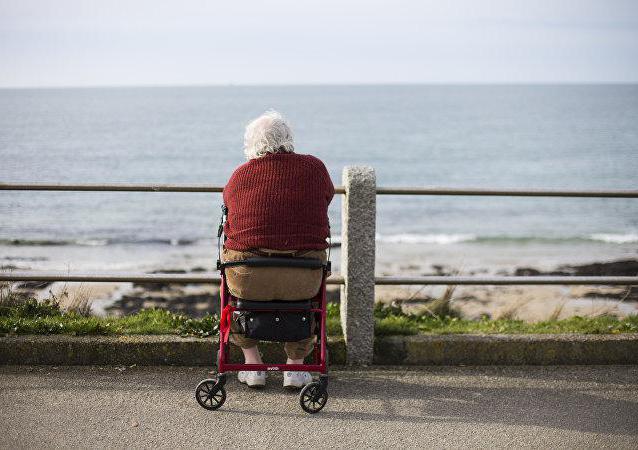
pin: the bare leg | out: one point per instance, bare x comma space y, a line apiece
294, 361
252, 355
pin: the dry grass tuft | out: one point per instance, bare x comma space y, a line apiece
77, 301
510, 311
440, 307
604, 310
555, 314
7, 296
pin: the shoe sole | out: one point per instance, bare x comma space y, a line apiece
294, 386
254, 385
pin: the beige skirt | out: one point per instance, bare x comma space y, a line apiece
272, 283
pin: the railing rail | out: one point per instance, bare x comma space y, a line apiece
433, 190
214, 278
110, 187
179, 278
494, 192
508, 280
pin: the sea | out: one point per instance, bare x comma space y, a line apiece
500, 136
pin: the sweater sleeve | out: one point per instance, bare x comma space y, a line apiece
226, 192
229, 189
330, 188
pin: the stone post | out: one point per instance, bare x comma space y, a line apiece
358, 216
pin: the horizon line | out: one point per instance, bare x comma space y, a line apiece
325, 84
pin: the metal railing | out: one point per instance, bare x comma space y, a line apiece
208, 278
213, 278
609, 193
146, 187
180, 278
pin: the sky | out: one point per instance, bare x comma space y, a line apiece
189, 42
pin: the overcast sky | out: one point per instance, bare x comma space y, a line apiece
168, 42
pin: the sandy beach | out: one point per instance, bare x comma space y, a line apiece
530, 303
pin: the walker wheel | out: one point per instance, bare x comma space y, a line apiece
312, 398
209, 395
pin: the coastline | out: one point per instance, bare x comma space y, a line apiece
529, 303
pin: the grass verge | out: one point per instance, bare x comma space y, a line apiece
391, 321
32, 317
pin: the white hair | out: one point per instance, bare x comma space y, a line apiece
268, 133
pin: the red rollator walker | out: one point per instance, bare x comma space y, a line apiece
277, 321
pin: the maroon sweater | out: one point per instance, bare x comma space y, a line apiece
279, 201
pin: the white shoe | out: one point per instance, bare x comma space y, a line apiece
296, 379
252, 378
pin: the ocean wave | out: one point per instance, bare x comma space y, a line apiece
615, 238
446, 239
97, 242
409, 238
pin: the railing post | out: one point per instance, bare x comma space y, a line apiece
358, 216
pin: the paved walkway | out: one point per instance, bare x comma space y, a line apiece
398, 407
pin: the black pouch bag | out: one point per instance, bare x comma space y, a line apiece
278, 326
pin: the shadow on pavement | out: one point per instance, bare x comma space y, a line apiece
582, 409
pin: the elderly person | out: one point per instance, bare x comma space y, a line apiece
277, 204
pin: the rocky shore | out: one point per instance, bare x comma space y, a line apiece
525, 302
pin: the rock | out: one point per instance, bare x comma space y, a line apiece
627, 268
527, 272
621, 268
631, 296
333, 294
176, 300
169, 271
439, 270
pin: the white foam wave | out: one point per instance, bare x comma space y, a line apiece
92, 242
615, 238
408, 238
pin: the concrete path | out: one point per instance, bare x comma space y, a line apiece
144, 407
